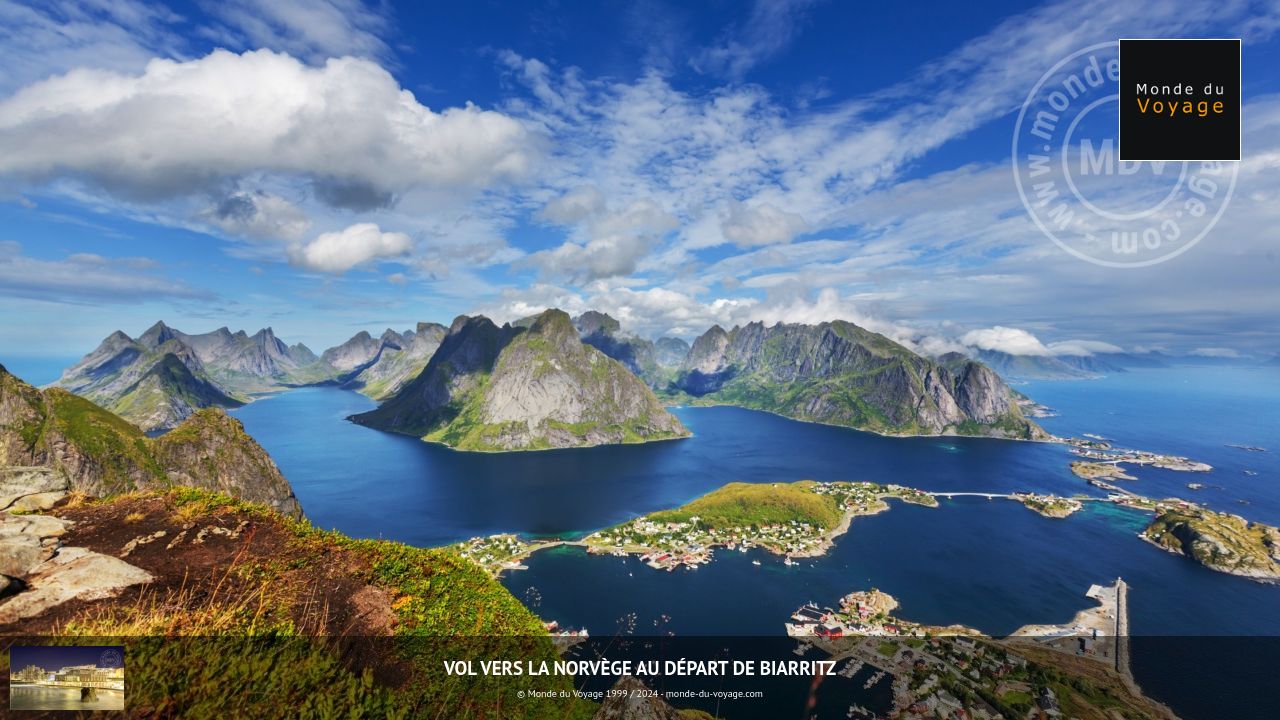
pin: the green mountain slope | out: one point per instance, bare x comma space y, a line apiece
98, 453
841, 374
517, 388
165, 375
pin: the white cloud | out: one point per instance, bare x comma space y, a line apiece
770, 28
258, 215
1083, 348
607, 243
762, 224
85, 278
574, 206
1005, 339
314, 30
338, 252
186, 127
1216, 352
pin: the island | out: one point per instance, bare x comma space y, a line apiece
799, 519
1050, 506
529, 386
1094, 470
1219, 541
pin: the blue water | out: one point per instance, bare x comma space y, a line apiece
37, 370
993, 565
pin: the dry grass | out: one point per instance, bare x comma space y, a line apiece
134, 517
246, 609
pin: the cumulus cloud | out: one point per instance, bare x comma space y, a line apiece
762, 224
1005, 339
258, 215
574, 206
340, 251
184, 127
608, 244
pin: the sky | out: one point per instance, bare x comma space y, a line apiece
333, 166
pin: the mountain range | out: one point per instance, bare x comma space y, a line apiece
525, 386
165, 375
379, 368
549, 381
842, 374
652, 361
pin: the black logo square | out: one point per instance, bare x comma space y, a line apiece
1180, 100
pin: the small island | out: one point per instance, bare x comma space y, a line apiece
1050, 506
1096, 471
1219, 541
799, 519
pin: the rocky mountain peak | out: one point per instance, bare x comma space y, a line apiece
157, 335
592, 322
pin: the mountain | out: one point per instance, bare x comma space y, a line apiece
165, 375
670, 352
841, 374
356, 352
1037, 367
90, 450
652, 362
247, 364
379, 368
518, 388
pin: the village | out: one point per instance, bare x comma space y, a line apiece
954, 671
691, 543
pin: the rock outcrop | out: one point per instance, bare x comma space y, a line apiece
634, 701
841, 374
516, 388
53, 442
1219, 541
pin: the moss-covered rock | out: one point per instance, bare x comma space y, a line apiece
1219, 541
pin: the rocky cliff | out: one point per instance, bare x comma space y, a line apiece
517, 388
652, 362
61, 442
839, 373
1219, 541
379, 368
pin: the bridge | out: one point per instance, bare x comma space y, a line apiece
989, 496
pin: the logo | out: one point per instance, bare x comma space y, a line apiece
1071, 180
110, 658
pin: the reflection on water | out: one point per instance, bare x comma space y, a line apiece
36, 697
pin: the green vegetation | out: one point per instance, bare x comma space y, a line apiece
119, 450
756, 505
255, 626
1223, 542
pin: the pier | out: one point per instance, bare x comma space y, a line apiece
1122, 630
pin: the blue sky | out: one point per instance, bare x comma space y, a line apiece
330, 166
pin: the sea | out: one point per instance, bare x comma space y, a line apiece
1205, 643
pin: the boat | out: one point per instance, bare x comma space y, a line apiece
755, 562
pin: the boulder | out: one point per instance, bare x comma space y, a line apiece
73, 573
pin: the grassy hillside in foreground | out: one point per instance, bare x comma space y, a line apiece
741, 504
269, 617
